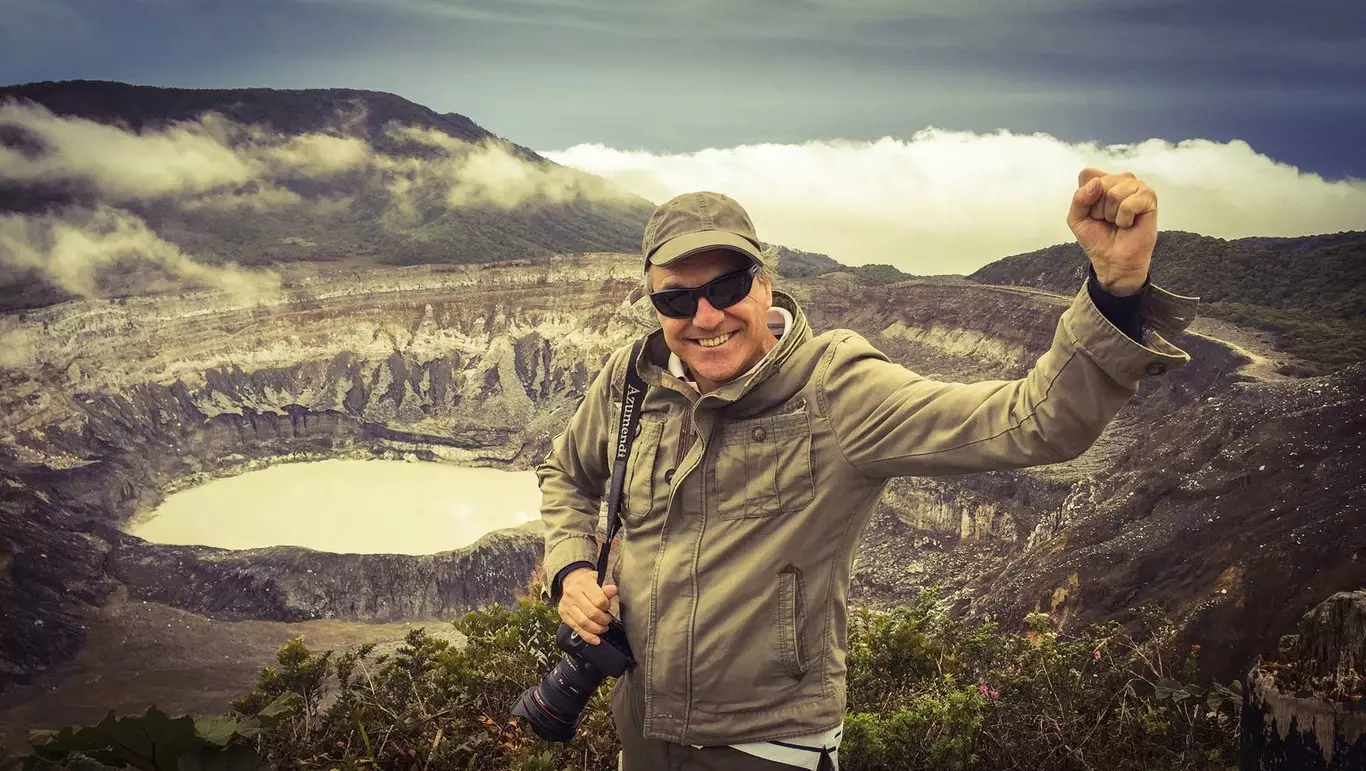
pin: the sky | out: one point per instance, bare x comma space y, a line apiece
931, 135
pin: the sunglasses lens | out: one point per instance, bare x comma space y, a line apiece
729, 290
679, 304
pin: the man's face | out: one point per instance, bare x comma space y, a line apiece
743, 326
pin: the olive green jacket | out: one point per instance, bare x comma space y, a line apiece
743, 508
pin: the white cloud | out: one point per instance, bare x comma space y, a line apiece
465, 174
316, 154
122, 164
72, 250
210, 154
950, 202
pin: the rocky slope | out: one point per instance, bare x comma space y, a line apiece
1225, 499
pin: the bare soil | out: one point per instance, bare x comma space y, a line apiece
140, 654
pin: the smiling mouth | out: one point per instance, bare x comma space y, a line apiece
713, 342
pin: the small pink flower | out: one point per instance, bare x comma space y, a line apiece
982, 689
1097, 654
988, 692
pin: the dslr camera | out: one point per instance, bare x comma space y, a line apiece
554, 707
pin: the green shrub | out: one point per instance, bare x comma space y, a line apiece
926, 691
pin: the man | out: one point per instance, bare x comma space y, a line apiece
761, 452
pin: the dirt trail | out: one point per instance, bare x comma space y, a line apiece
141, 654
1252, 343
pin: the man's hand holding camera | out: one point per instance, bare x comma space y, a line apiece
1114, 217
584, 605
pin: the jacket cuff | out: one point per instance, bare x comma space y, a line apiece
1168, 312
557, 585
1124, 359
1126, 313
563, 554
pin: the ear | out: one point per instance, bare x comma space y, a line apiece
764, 288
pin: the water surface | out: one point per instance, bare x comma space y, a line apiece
348, 506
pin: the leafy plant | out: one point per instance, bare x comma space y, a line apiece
154, 741
926, 691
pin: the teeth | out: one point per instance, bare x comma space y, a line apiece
712, 342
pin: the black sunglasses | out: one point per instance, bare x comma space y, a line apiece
721, 292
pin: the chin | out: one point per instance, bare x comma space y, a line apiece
718, 374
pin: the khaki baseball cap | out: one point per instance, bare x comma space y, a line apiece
695, 222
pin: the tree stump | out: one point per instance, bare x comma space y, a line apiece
1304, 710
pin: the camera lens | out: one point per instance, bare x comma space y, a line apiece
553, 708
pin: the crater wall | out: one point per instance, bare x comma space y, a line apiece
106, 407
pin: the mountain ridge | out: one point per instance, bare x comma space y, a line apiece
1308, 291
178, 179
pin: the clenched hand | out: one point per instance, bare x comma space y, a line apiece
1114, 217
583, 604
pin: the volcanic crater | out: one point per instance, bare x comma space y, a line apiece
1223, 493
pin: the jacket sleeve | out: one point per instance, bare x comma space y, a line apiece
889, 421
573, 479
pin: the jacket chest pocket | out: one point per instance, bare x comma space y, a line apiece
763, 467
639, 490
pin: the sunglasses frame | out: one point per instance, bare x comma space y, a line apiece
705, 290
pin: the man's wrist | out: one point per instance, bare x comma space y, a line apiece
1123, 311
1120, 285
557, 585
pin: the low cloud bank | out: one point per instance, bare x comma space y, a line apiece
213, 163
207, 155
70, 251
215, 159
487, 174
951, 202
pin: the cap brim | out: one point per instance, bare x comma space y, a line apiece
688, 244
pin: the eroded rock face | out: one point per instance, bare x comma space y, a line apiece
107, 407
1303, 709
293, 584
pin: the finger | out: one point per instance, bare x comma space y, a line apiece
590, 596
1082, 200
585, 627
1098, 206
609, 591
1135, 206
1089, 173
1122, 189
591, 608
569, 615
595, 614
588, 623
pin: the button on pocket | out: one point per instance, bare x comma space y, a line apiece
763, 467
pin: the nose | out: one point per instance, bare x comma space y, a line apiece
707, 315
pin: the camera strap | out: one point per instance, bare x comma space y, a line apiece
631, 400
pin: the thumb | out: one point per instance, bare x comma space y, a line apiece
1082, 201
610, 590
